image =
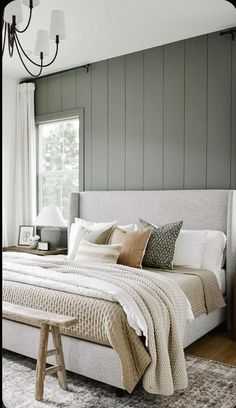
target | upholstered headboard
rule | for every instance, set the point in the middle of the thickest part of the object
(199, 209)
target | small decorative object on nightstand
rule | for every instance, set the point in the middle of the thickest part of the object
(25, 234)
(34, 241)
(43, 246)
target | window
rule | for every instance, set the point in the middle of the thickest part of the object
(58, 163)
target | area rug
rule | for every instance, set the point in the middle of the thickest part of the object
(211, 385)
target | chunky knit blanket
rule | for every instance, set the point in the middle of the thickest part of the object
(155, 307)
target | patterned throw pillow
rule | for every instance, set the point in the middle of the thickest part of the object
(161, 245)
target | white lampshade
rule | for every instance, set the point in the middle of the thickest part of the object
(50, 216)
(57, 25)
(35, 2)
(42, 43)
(13, 9)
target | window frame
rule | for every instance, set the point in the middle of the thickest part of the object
(55, 117)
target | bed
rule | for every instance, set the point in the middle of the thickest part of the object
(200, 209)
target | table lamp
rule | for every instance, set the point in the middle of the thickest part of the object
(51, 219)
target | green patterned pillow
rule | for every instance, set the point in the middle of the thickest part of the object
(161, 245)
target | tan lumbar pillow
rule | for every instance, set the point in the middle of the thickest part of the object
(133, 245)
(94, 253)
(79, 232)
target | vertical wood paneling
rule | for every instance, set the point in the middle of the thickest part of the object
(195, 112)
(233, 135)
(83, 100)
(116, 124)
(162, 118)
(68, 89)
(174, 116)
(153, 118)
(54, 93)
(219, 111)
(99, 126)
(134, 121)
(41, 96)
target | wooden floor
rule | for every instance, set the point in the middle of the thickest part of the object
(216, 345)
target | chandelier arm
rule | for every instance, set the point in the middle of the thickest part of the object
(55, 56)
(23, 63)
(27, 25)
(33, 62)
(24, 53)
(4, 38)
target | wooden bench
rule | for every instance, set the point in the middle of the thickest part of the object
(46, 320)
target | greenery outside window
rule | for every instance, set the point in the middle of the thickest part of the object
(58, 163)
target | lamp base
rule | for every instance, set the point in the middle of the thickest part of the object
(51, 235)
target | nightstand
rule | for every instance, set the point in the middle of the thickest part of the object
(56, 251)
(234, 310)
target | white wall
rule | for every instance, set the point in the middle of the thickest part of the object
(8, 153)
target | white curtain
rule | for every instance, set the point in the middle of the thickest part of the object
(24, 204)
(4, 226)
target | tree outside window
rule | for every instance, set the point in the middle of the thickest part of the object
(58, 163)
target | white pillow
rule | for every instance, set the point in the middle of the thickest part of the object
(200, 249)
(189, 248)
(213, 254)
(94, 253)
(95, 225)
(98, 225)
(79, 232)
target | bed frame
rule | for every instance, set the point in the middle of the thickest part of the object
(199, 209)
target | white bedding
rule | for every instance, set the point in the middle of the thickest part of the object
(221, 278)
(82, 285)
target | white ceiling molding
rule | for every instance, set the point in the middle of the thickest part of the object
(101, 29)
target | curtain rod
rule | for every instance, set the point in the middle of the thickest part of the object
(86, 66)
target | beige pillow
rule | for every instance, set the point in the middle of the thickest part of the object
(79, 232)
(133, 245)
(94, 253)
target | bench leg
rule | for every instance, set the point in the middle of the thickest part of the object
(61, 374)
(41, 362)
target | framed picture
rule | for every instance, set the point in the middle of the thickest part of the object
(26, 232)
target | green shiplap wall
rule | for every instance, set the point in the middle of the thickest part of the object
(163, 118)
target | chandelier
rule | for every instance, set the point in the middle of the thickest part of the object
(13, 17)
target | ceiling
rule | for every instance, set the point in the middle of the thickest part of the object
(101, 29)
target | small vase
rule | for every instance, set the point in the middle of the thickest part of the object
(33, 244)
